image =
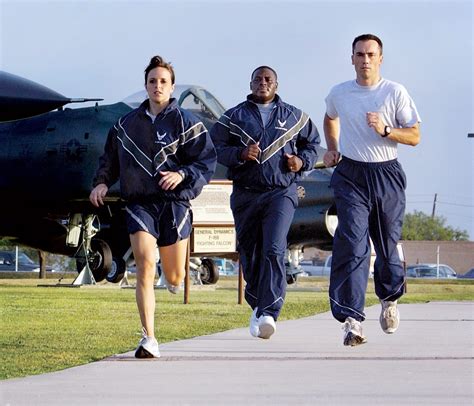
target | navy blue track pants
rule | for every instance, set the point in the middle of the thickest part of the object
(262, 221)
(370, 202)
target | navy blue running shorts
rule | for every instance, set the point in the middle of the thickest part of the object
(168, 222)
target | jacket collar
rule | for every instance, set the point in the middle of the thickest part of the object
(173, 105)
(277, 100)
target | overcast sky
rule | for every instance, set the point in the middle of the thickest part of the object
(100, 49)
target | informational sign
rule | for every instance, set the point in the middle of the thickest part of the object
(214, 239)
(212, 206)
(213, 222)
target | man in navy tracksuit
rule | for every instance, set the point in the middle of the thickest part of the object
(266, 145)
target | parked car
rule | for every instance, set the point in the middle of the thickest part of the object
(25, 263)
(313, 268)
(468, 275)
(430, 271)
(226, 266)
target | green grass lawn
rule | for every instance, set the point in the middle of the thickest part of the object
(48, 329)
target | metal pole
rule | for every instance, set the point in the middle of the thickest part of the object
(16, 258)
(434, 205)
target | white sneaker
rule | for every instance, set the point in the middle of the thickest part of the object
(147, 347)
(389, 316)
(267, 326)
(353, 332)
(254, 330)
(172, 288)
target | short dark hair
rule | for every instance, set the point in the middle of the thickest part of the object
(264, 67)
(158, 62)
(367, 37)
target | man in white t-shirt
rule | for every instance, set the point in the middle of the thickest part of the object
(365, 120)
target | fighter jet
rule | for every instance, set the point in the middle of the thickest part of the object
(48, 157)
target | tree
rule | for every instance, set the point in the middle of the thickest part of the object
(419, 226)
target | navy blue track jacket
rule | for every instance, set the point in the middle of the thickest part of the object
(289, 130)
(137, 149)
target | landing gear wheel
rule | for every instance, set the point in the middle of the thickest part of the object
(100, 260)
(291, 278)
(209, 272)
(118, 270)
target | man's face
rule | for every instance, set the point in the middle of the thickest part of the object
(367, 59)
(159, 86)
(263, 86)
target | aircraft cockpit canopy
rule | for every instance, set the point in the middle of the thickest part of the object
(193, 98)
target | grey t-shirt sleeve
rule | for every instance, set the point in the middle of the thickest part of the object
(406, 114)
(330, 107)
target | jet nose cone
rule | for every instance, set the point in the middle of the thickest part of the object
(22, 98)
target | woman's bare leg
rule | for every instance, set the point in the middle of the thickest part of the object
(173, 261)
(144, 252)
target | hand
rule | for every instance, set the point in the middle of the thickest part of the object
(374, 121)
(251, 152)
(98, 193)
(331, 158)
(294, 162)
(169, 180)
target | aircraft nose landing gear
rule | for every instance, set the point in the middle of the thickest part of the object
(94, 257)
(99, 260)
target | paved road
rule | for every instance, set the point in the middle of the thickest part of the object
(429, 360)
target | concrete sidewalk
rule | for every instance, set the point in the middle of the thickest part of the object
(429, 360)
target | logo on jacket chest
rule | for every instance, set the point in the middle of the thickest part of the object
(160, 137)
(281, 125)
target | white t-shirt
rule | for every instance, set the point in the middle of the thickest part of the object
(351, 102)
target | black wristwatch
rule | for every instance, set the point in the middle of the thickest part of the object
(387, 130)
